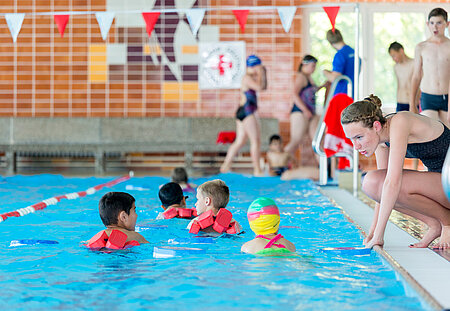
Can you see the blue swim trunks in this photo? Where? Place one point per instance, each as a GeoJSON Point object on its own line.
{"type": "Point", "coordinates": [402, 107]}
{"type": "Point", "coordinates": [434, 102]}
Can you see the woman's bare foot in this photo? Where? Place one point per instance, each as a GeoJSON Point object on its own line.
{"type": "Point", "coordinates": [444, 242]}
{"type": "Point", "coordinates": [433, 232]}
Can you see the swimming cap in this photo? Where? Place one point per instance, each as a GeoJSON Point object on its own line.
{"type": "Point", "coordinates": [253, 60]}
{"type": "Point", "coordinates": [263, 216]}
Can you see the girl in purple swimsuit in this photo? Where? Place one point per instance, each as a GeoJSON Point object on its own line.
{"type": "Point", "coordinates": [247, 123]}
{"type": "Point", "coordinates": [303, 114]}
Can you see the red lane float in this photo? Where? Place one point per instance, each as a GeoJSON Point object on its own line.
{"type": "Point", "coordinates": [70, 196]}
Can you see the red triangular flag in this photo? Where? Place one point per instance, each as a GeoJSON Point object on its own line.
{"type": "Point", "coordinates": [61, 21]}
{"type": "Point", "coordinates": [150, 21]}
{"type": "Point", "coordinates": [332, 12]}
{"type": "Point", "coordinates": [241, 16]}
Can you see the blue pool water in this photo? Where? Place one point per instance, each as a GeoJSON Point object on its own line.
{"type": "Point", "coordinates": [69, 276]}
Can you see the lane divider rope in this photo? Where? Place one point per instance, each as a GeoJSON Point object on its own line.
{"type": "Point", "coordinates": [70, 196]}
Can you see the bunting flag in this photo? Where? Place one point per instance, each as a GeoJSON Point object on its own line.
{"type": "Point", "coordinates": [332, 12]}
{"type": "Point", "coordinates": [104, 20]}
{"type": "Point", "coordinates": [61, 21]}
{"type": "Point", "coordinates": [14, 21]}
{"type": "Point", "coordinates": [195, 19]}
{"type": "Point", "coordinates": [286, 15]}
{"type": "Point", "coordinates": [150, 19]}
{"type": "Point", "coordinates": [241, 16]}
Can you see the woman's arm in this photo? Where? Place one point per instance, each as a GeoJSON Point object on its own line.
{"type": "Point", "coordinates": [257, 83]}
{"type": "Point", "coordinates": [399, 132]}
{"type": "Point", "coordinates": [382, 156]}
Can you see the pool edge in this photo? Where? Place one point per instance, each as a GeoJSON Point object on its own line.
{"type": "Point", "coordinates": [397, 253]}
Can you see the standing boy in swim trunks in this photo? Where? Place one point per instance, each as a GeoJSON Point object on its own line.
{"type": "Point", "coordinates": [212, 196]}
{"type": "Point", "coordinates": [278, 160]}
{"type": "Point", "coordinates": [118, 213]}
{"type": "Point", "coordinates": [403, 68]}
{"type": "Point", "coordinates": [432, 69]}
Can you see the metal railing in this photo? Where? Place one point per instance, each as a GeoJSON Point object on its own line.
{"type": "Point", "coordinates": [317, 143]}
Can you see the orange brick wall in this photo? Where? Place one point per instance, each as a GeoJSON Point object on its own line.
{"type": "Point", "coordinates": [46, 75]}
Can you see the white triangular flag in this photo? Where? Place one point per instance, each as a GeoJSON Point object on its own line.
{"type": "Point", "coordinates": [104, 20]}
{"type": "Point", "coordinates": [14, 21]}
{"type": "Point", "coordinates": [195, 19]}
{"type": "Point", "coordinates": [286, 14]}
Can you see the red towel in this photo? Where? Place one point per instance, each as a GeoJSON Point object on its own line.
{"type": "Point", "coordinates": [225, 137]}
{"type": "Point", "coordinates": [335, 140]}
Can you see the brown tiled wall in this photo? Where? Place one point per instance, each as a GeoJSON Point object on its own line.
{"type": "Point", "coordinates": [46, 75]}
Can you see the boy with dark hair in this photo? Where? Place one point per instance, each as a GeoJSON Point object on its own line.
{"type": "Point", "coordinates": [432, 69]}
{"type": "Point", "coordinates": [118, 213]}
{"type": "Point", "coordinates": [174, 202]}
{"type": "Point", "coordinates": [403, 68]}
{"type": "Point", "coordinates": [343, 62]}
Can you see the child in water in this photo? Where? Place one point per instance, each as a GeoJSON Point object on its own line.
{"type": "Point", "coordinates": [118, 213]}
{"type": "Point", "coordinates": [180, 176]}
{"type": "Point", "coordinates": [264, 219]}
{"type": "Point", "coordinates": [173, 202]}
{"type": "Point", "coordinates": [212, 199]}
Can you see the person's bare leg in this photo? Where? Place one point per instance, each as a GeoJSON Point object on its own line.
{"type": "Point", "coordinates": [426, 197]}
{"type": "Point", "coordinates": [239, 142]}
{"type": "Point", "coordinates": [252, 130]}
{"type": "Point", "coordinates": [298, 129]}
{"type": "Point", "coordinates": [443, 117]}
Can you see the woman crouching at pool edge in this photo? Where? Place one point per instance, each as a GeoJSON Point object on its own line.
{"type": "Point", "coordinates": [417, 194]}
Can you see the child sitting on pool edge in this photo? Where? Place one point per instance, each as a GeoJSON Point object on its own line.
{"type": "Point", "coordinates": [118, 213]}
{"type": "Point", "coordinates": [212, 198]}
{"type": "Point", "coordinates": [264, 219]}
{"type": "Point", "coordinates": [173, 202]}
{"type": "Point", "coordinates": [278, 160]}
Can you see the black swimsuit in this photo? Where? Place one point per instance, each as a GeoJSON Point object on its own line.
{"type": "Point", "coordinates": [431, 153]}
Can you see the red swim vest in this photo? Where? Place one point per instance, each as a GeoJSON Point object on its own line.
{"type": "Point", "coordinates": [220, 223]}
{"type": "Point", "coordinates": [116, 240]}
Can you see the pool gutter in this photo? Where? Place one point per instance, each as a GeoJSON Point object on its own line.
{"type": "Point", "coordinates": [424, 270]}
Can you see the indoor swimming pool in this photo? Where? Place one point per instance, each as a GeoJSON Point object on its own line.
{"type": "Point", "coordinates": [215, 277]}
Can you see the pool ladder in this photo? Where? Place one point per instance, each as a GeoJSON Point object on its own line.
{"type": "Point", "coordinates": [317, 142]}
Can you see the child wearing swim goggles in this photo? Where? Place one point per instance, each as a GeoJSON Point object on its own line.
{"type": "Point", "coordinates": [264, 219]}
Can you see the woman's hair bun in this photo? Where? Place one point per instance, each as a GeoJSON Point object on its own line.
{"type": "Point", "coordinates": [374, 100]}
